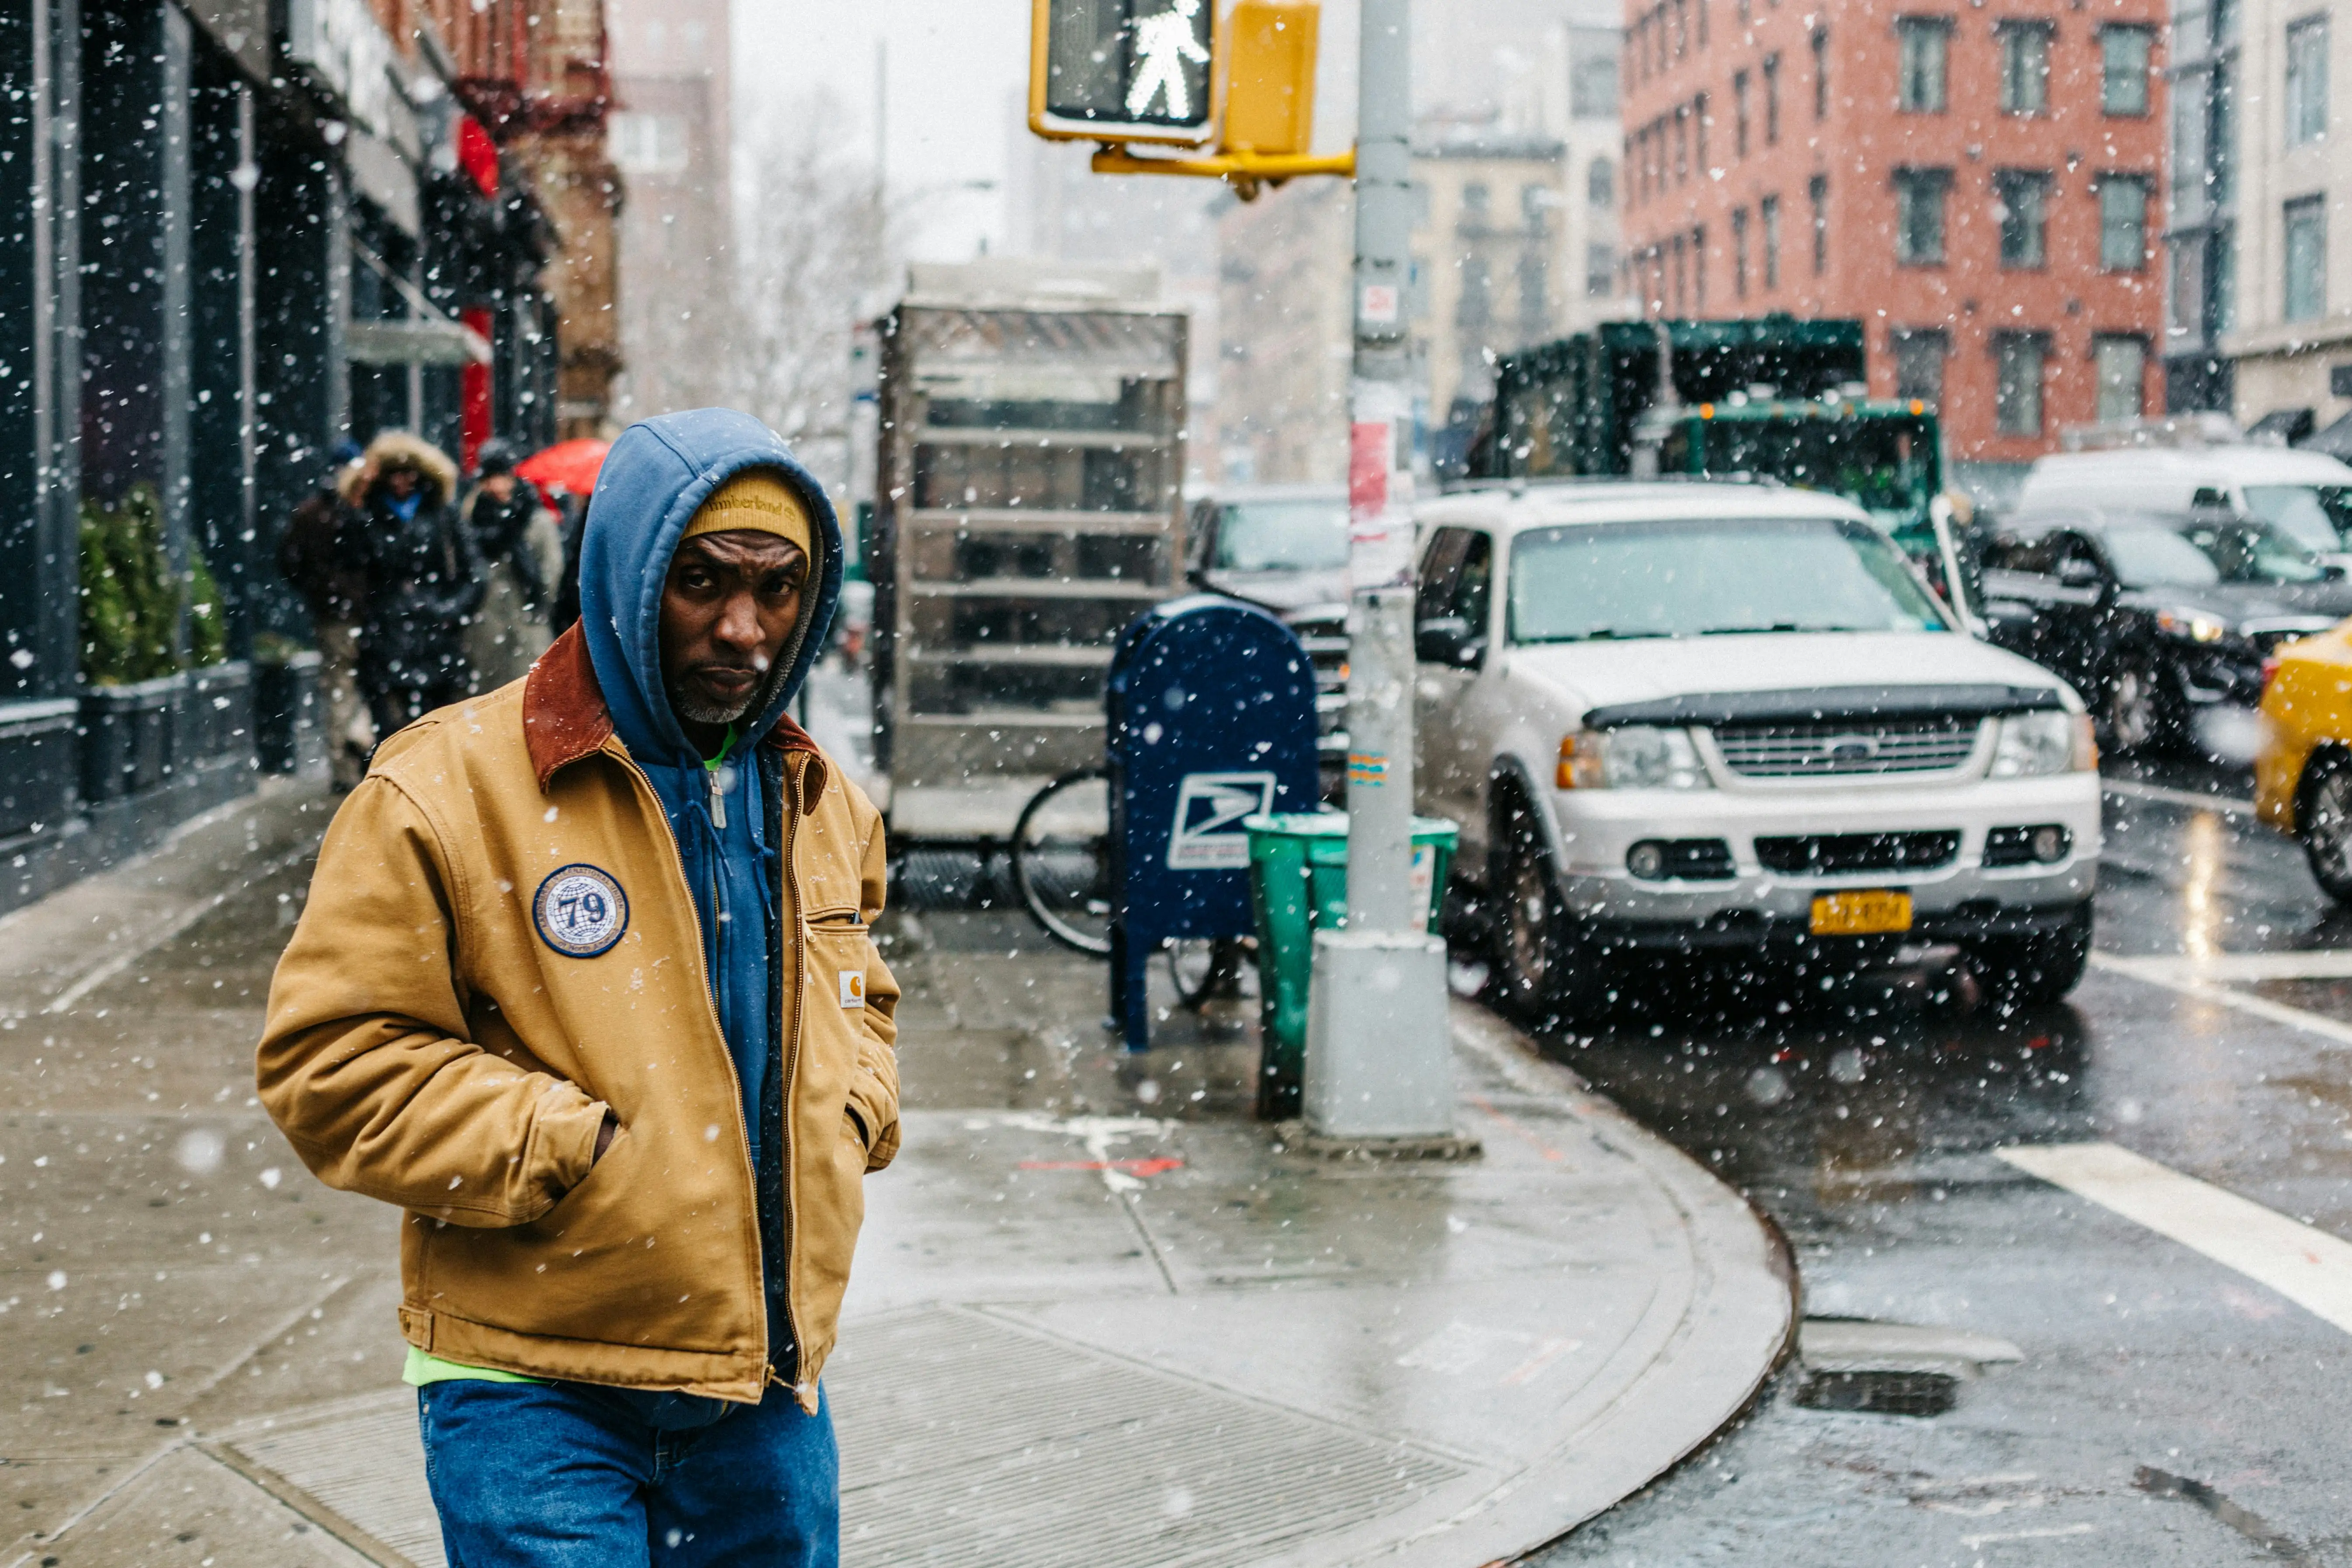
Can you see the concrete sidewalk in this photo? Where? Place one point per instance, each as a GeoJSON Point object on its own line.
{"type": "Point", "coordinates": [1100, 1318]}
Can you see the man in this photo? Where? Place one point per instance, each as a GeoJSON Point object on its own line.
{"type": "Point", "coordinates": [318, 556]}
{"type": "Point", "coordinates": [585, 984]}
{"type": "Point", "coordinates": [512, 529]}
{"type": "Point", "coordinates": [424, 580]}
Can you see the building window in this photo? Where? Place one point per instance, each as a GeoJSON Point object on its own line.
{"type": "Point", "coordinates": [1920, 215]}
{"type": "Point", "coordinates": [1919, 358]}
{"type": "Point", "coordinates": [2024, 66]}
{"type": "Point", "coordinates": [2123, 68]}
{"type": "Point", "coordinates": [2024, 198]}
{"type": "Point", "coordinates": [2121, 362]}
{"type": "Point", "coordinates": [2018, 359]}
{"type": "Point", "coordinates": [1702, 24]}
{"type": "Point", "coordinates": [1474, 199]}
{"type": "Point", "coordinates": [1739, 113]}
{"type": "Point", "coordinates": [1772, 101]}
{"type": "Point", "coordinates": [1821, 73]}
{"type": "Point", "coordinates": [1682, 143]}
{"type": "Point", "coordinates": [1599, 270]}
{"type": "Point", "coordinates": [2122, 222]}
{"type": "Point", "coordinates": [1699, 269]}
{"type": "Point", "coordinates": [1535, 296]}
{"type": "Point", "coordinates": [1698, 125]}
{"type": "Point", "coordinates": [1600, 183]}
{"type": "Point", "coordinates": [1592, 79]}
{"type": "Point", "coordinates": [2306, 259]}
{"type": "Point", "coordinates": [2306, 80]}
{"type": "Point", "coordinates": [1682, 28]}
{"type": "Point", "coordinates": [1740, 252]}
{"type": "Point", "coordinates": [1682, 261]}
{"type": "Point", "coordinates": [1477, 305]}
{"type": "Point", "coordinates": [1769, 212]}
{"type": "Point", "coordinates": [1818, 191]}
{"type": "Point", "coordinates": [1924, 45]}
{"type": "Point", "coordinates": [648, 143]}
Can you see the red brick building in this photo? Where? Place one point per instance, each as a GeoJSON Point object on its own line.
{"type": "Point", "coordinates": [1978, 182]}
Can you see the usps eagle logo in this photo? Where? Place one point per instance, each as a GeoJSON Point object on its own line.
{"type": "Point", "coordinates": [580, 910]}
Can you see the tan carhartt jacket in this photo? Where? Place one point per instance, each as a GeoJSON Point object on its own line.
{"type": "Point", "coordinates": [428, 1045]}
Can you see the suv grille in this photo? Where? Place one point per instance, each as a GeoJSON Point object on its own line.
{"type": "Point", "coordinates": [1847, 853]}
{"type": "Point", "coordinates": [1830, 749]}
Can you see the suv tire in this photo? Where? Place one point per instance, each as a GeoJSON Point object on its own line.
{"type": "Point", "coordinates": [2028, 971]}
{"type": "Point", "coordinates": [2323, 821]}
{"type": "Point", "coordinates": [1546, 965]}
{"type": "Point", "coordinates": [2134, 712]}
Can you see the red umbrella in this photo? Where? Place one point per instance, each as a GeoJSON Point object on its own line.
{"type": "Point", "coordinates": [569, 465]}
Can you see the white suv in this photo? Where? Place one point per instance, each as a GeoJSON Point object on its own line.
{"type": "Point", "coordinates": [1695, 718]}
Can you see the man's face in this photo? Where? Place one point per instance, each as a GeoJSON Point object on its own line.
{"type": "Point", "coordinates": [400, 482]}
{"type": "Point", "coordinates": [728, 607]}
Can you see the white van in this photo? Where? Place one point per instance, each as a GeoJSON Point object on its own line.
{"type": "Point", "coordinates": [2304, 494]}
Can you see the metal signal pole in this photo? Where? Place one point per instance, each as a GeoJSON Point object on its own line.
{"type": "Point", "coordinates": [1379, 1054]}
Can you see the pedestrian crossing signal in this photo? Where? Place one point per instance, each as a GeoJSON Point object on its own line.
{"type": "Point", "coordinates": [1124, 70]}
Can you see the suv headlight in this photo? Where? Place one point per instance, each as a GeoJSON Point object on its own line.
{"type": "Point", "coordinates": [1639, 756]}
{"type": "Point", "coordinates": [2192, 625]}
{"type": "Point", "coordinates": [2035, 745]}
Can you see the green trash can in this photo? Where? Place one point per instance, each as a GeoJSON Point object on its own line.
{"type": "Point", "coordinates": [1299, 884]}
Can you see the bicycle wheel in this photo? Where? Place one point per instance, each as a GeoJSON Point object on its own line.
{"type": "Point", "coordinates": [1060, 859]}
{"type": "Point", "coordinates": [1212, 969]}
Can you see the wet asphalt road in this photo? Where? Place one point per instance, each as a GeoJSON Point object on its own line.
{"type": "Point", "coordinates": [2167, 1409]}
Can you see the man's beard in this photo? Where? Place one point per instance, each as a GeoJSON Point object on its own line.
{"type": "Point", "coordinates": [698, 711]}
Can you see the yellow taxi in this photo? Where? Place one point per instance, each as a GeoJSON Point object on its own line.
{"type": "Point", "coordinates": [2303, 778]}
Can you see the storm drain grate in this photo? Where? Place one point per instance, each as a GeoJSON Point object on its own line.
{"type": "Point", "coordinates": [964, 1442]}
{"type": "Point", "coordinates": [366, 1464]}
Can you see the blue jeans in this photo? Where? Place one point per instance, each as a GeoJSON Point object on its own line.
{"type": "Point", "coordinates": [566, 1475]}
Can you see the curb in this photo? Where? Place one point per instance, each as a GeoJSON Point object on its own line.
{"type": "Point", "coordinates": [1731, 1339]}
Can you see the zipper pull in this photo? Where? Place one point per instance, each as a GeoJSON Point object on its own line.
{"type": "Point", "coordinates": [722, 783]}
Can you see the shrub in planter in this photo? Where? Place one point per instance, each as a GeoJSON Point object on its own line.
{"type": "Point", "coordinates": [130, 600]}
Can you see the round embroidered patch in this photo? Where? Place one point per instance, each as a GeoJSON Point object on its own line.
{"type": "Point", "coordinates": [580, 911]}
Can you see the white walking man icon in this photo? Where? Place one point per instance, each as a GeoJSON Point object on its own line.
{"type": "Point", "coordinates": [1163, 44]}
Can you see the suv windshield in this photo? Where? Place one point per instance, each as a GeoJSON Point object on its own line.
{"type": "Point", "coordinates": [1282, 535]}
{"type": "Point", "coordinates": [2245, 551]}
{"type": "Point", "coordinates": [2317, 515]}
{"type": "Point", "coordinates": [1713, 577]}
{"type": "Point", "coordinates": [2148, 555]}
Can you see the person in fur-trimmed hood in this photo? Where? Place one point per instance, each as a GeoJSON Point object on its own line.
{"type": "Point", "coordinates": [424, 579]}
{"type": "Point", "coordinates": [585, 984]}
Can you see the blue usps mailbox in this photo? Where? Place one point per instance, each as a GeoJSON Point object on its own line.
{"type": "Point", "coordinates": [1212, 710]}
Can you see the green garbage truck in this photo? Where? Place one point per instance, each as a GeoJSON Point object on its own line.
{"type": "Point", "coordinates": [1769, 397]}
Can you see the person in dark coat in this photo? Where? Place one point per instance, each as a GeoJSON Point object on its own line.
{"type": "Point", "coordinates": [515, 535]}
{"type": "Point", "coordinates": [318, 555]}
{"type": "Point", "coordinates": [423, 581]}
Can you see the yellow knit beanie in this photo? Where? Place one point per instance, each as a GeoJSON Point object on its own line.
{"type": "Point", "coordinates": [757, 500]}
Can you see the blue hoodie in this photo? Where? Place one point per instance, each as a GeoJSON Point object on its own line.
{"type": "Point", "coordinates": [654, 478]}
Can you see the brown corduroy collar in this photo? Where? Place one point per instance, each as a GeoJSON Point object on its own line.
{"type": "Point", "coordinates": [564, 717]}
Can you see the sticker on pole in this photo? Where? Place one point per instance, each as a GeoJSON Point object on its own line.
{"type": "Point", "coordinates": [1207, 834]}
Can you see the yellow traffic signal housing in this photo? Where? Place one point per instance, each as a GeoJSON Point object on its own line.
{"type": "Point", "coordinates": [1267, 52]}
{"type": "Point", "coordinates": [1124, 70]}
{"type": "Point", "coordinates": [1117, 72]}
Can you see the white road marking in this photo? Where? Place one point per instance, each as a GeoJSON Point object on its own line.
{"type": "Point", "coordinates": [2238, 968]}
{"type": "Point", "coordinates": [1977, 1543]}
{"type": "Point", "coordinates": [2165, 972]}
{"type": "Point", "coordinates": [2134, 790]}
{"type": "Point", "coordinates": [2306, 1265]}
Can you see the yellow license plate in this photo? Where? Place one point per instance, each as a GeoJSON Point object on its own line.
{"type": "Point", "coordinates": [1861, 914]}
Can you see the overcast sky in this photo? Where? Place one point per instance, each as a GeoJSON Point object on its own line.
{"type": "Point", "coordinates": [957, 70]}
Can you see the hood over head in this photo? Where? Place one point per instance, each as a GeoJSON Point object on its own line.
{"type": "Point", "coordinates": [398, 449]}
{"type": "Point", "coordinates": [654, 480]}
